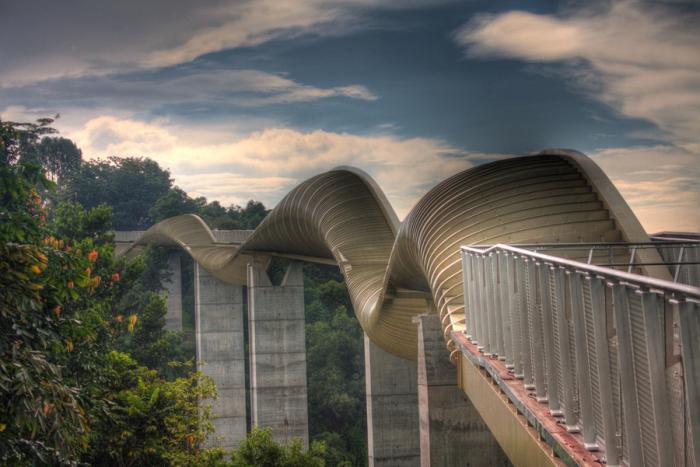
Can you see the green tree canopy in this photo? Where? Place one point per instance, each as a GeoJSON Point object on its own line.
{"type": "Point", "coordinates": [130, 185]}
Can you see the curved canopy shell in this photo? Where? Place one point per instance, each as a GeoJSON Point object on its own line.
{"type": "Point", "coordinates": [395, 271]}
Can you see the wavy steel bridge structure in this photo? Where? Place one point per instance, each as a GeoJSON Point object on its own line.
{"type": "Point", "coordinates": [395, 271]}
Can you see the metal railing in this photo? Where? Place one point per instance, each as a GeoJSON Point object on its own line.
{"type": "Point", "coordinates": [681, 256]}
{"type": "Point", "coordinates": [614, 355]}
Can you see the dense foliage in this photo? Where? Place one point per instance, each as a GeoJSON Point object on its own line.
{"type": "Point", "coordinates": [88, 374]}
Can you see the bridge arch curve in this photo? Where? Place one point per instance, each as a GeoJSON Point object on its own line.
{"type": "Point", "coordinates": [397, 270]}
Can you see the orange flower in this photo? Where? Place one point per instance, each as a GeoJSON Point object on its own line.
{"type": "Point", "coordinates": [88, 271]}
{"type": "Point", "coordinates": [47, 408]}
{"type": "Point", "coordinates": [92, 256]}
{"type": "Point", "coordinates": [120, 318]}
{"type": "Point", "coordinates": [115, 277]}
{"type": "Point", "coordinates": [70, 284]}
{"type": "Point", "coordinates": [35, 269]}
{"type": "Point", "coordinates": [57, 310]}
{"type": "Point", "coordinates": [132, 322]}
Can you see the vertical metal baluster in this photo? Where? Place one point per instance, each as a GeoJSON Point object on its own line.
{"type": "Point", "coordinates": [515, 317]}
{"type": "Point", "coordinates": [604, 373]}
{"type": "Point", "coordinates": [628, 384]}
{"type": "Point", "coordinates": [689, 315]}
{"type": "Point", "coordinates": [582, 369]}
{"type": "Point", "coordinates": [486, 302]}
{"type": "Point", "coordinates": [524, 325]}
{"type": "Point", "coordinates": [477, 304]}
{"type": "Point", "coordinates": [474, 287]}
{"type": "Point", "coordinates": [678, 266]}
{"type": "Point", "coordinates": [535, 314]}
{"type": "Point", "coordinates": [491, 319]}
{"type": "Point", "coordinates": [653, 327]}
{"type": "Point", "coordinates": [504, 287]}
{"type": "Point", "coordinates": [483, 323]}
{"type": "Point", "coordinates": [629, 267]}
{"type": "Point", "coordinates": [496, 308]}
{"type": "Point", "coordinates": [468, 310]}
{"type": "Point", "coordinates": [567, 372]}
{"type": "Point", "coordinates": [549, 349]}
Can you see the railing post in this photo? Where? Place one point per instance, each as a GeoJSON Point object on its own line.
{"type": "Point", "coordinates": [551, 351]}
{"type": "Point", "coordinates": [521, 265]}
{"type": "Point", "coordinates": [468, 307]}
{"type": "Point", "coordinates": [563, 306]}
{"type": "Point", "coordinates": [495, 301]}
{"type": "Point", "coordinates": [516, 357]}
{"type": "Point", "coordinates": [534, 312]}
{"type": "Point", "coordinates": [506, 315]}
{"type": "Point", "coordinates": [583, 372]}
{"type": "Point", "coordinates": [689, 314]}
{"type": "Point", "coordinates": [482, 334]}
{"type": "Point", "coordinates": [602, 351]}
{"type": "Point", "coordinates": [628, 384]}
{"type": "Point", "coordinates": [654, 334]}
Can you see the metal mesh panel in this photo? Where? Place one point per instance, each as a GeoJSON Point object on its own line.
{"type": "Point", "coordinates": [642, 380]}
{"type": "Point", "coordinates": [592, 359]}
{"type": "Point", "coordinates": [555, 302]}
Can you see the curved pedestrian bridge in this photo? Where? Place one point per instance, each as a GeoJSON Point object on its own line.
{"type": "Point", "coordinates": [564, 361]}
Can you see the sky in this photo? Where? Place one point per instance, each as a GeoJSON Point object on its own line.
{"type": "Point", "coordinates": [245, 99]}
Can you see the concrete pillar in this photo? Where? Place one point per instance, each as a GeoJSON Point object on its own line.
{"type": "Point", "coordinates": [220, 354]}
{"type": "Point", "coordinates": [173, 287]}
{"type": "Point", "coordinates": [278, 393]}
{"type": "Point", "coordinates": [452, 432]}
{"type": "Point", "coordinates": [392, 409]}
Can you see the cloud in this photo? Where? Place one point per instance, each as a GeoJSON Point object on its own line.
{"type": "Point", "coordinates": [660, 183]}
{"type": "Point", "coordinates": [641, 59]}
{"type": "Point", "coordinates": [265, 164]}
{"type": "Point", "coordinates": [222, 87]}
{"type": "Point", "coordinates": [44, 39]}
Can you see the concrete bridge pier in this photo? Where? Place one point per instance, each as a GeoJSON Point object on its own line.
{"type": "Point", "coordinates": [392, 409]}
{"type": "Point", "coordinates": [220, 354]}
{"type": "Point", "coordinates": [278, 391]}
{"type": "Point", "coordinates": [173, 289]}
{"type": "Point", "coordinates": [452, 433]}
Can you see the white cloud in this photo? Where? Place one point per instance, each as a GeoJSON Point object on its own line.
{"type": "Point", "coordinates": [265, 164]}
{"type": "Point", "coordinates": [661, 184]}
{"type": "Point", "coordinates": [101, 38]}
{"type": "Point", "coordinates": [20, 113]}
{"type": "Point", "coordinates": [239, 87]}
{"type": "Point", "coordinates": [641, 59]}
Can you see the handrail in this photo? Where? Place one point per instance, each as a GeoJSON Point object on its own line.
{"type": "Point", "coordinates": [599, 270]}
{"type": "Point", "coordinates": [595, 345]}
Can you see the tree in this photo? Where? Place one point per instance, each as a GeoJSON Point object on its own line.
{"type": "Point", "coordinates": [258, 449]}
{"type": "Point", "coordinates": [335, 363]}
{"type": "Point", "coordinates": [18, 141]}
{"type": "Point", "coordinates": [42, 419]}
{"type": "Point", "coordinates": [130, 185]}
{"type": "Point", "coordinates": [68, 395]}
{"type": "Point", "coordinates": [174, 203]}
{"type": "Point", "coordinates": [152, 421]}
{"type": "Point", "coordinates": [60, 157]}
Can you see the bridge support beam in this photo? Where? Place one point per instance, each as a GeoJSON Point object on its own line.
{"type": "Point", "coordinates": [173, 288]}
{"type": "Point", "coordinates": [392, 409]}
{"type": "Point", "coordinates": [220, 354]}
{"type": "Point", "coordinates": [452, 433]}
{"type": "Point", "coordinates": [278, 392]}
